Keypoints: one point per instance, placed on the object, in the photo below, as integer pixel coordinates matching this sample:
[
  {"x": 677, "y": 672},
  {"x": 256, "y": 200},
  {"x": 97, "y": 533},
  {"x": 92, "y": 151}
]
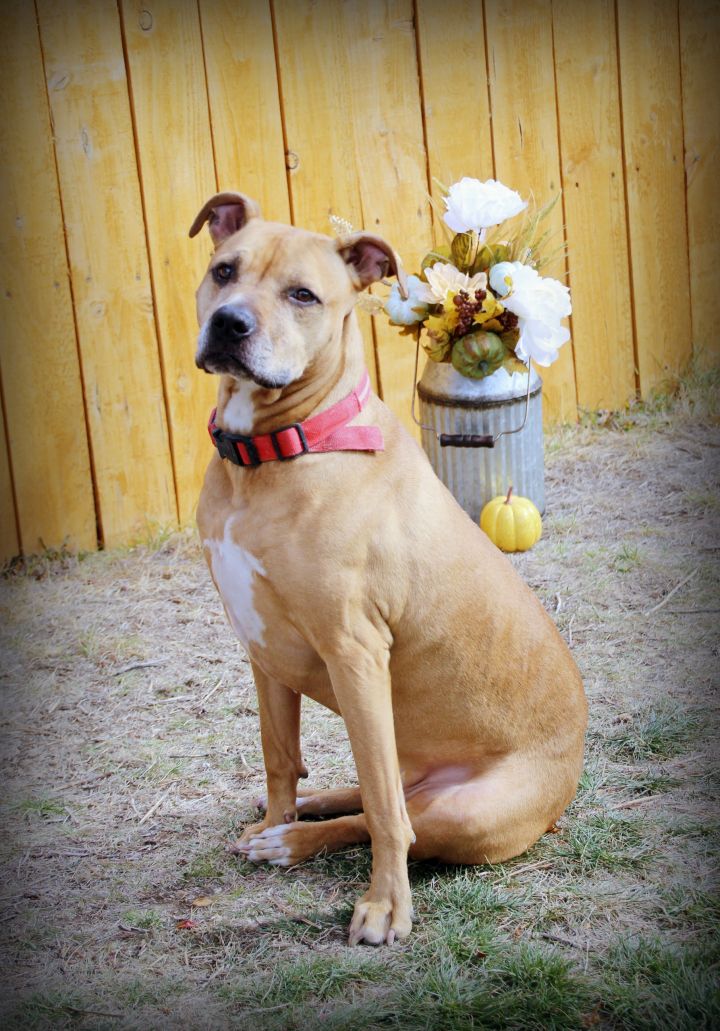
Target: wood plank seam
[
  {"x": 423, "y": 115},
  {"x": 633, "y": 314},
  {"x": 524, "y": 130},
  {"x": 700, "y": 84},
  {"x": 487, "y": 87},
  {"x": 566, "y": 256},
  {"x": 13, "y": 493},
  {"x": 371, "y": 320},
  {"x": 685, "y": 178},
  {"x": 151, "y": 271},
  {"x": 650, "y": 77},
  {"x": 86, "y": 417},
  {"x": 281, "y": 100},
  {"x": 207, "y": 98}
]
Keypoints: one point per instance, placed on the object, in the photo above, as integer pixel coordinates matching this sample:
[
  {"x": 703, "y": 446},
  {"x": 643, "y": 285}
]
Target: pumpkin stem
[{"x": 507, "y": 499}]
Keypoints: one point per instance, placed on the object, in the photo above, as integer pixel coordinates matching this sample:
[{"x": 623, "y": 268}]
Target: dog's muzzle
[{"x": 224, "y": 339}]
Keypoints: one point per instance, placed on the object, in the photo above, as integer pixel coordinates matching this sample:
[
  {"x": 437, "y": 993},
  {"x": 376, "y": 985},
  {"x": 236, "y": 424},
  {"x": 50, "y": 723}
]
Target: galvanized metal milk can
[{"x": 493, "y": 407}]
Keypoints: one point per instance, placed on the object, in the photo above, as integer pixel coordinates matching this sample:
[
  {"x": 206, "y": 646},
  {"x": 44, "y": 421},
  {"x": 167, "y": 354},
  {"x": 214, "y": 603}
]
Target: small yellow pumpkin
[{"x": 512, "y": 523}]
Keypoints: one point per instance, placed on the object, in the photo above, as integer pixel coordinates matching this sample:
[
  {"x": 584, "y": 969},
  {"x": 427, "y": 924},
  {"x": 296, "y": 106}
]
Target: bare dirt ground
[{"x": 131, "y": 757}]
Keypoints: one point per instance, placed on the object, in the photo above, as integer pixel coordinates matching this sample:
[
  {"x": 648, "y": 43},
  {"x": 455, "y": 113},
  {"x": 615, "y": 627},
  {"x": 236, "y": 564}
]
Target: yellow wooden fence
[{"x": 118, "y": 119}]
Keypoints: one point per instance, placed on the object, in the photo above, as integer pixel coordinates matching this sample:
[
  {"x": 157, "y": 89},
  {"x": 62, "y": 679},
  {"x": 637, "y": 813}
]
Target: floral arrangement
[{"x": 480, "y": 298}]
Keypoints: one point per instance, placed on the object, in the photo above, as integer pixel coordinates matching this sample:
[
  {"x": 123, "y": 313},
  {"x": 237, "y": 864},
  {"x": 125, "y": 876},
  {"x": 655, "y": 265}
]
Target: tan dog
[{"x": 353, "y": 577}]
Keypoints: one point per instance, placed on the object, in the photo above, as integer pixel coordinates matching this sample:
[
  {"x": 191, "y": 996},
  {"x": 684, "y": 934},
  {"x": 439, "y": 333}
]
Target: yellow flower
[
  {"x": 491, "y": 308},
  {"x": 437, "y": 351},
  {"x": 437, "y": 343},
  {"x": 437, "y": 328},
  {"x": 492, "y": 326},
  {"x": 450, "y": 312}
]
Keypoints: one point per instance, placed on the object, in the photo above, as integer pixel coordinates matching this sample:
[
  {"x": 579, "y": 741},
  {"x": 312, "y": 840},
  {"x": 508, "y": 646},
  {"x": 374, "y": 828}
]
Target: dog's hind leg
[
  {"x": 332, "y": 802},
  {"x": 335, "y": 802},
  {"x": 457, "y": 816},
  {"x": 468, "y": 819},
  {"x": 491, "y": 816}
]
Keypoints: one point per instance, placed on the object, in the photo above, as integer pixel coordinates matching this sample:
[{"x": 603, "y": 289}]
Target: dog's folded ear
[
  {"x": 369, "y": 258},
  {"x": 225, "y": 213}
]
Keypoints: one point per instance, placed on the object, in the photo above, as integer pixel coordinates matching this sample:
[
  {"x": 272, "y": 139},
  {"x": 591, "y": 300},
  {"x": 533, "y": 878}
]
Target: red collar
[{"x": 324, "y": 432}]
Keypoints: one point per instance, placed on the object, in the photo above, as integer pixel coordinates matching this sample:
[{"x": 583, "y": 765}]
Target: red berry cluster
[{"x": 466, "y": 309}]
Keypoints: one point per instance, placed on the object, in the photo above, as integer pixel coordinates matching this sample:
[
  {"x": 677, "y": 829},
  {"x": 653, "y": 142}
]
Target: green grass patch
[
  {"x": 603, "y": 841},
  {"x": 45, "y": 1011},
  {"x": 693, "y": 908},
  {"x": 661, "y": 732},
  {"x": 311, "y": 977},
  {"x": 145, "y": 919},
  {"x": 470, "y": 893},
  {"x": 647, "y": 985},
  {"x": 627, "y": 558},
  {"x": 207, "y": 866},
  {"x": 519, "y": 986},
  {"x": 47, "y": 808}
]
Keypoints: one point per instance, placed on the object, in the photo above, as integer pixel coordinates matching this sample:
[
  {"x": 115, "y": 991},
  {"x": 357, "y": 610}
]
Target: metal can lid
[{"x": 443, "y": 384}]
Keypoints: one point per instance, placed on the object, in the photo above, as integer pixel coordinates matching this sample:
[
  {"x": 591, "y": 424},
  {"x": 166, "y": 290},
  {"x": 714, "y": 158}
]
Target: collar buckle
[{"x": 225, "y": 443}]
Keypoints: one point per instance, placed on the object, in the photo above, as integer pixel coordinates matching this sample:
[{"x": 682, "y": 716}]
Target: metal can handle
[{"x": 467, "y": 440}]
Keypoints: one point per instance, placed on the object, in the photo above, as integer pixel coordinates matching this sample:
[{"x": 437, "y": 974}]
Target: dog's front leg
[
  {"x": 360, "y": 677},
  {"x": 279, "y": 709}
]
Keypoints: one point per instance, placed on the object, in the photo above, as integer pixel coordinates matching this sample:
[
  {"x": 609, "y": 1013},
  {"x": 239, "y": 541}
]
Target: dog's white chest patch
[
  {"x": 239, "y": 411},
  {"x": 234, "y": 571}
]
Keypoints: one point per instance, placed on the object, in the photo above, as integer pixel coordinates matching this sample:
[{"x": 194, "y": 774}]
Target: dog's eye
[
  {"x": 223, "y": 273},
  {"x": 303, "y": 296}
]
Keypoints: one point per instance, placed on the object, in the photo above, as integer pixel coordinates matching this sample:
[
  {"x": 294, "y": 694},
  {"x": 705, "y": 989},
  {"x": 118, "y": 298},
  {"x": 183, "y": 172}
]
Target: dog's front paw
[
  {"x": 377, "y": 920},
  {"x": 283, "y": 845},
  {"x": 241, "y": 846}
]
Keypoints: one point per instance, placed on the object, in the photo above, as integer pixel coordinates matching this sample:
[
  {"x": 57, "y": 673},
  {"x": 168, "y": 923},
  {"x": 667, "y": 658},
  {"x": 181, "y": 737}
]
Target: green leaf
[{"x": 441, "y": 253}]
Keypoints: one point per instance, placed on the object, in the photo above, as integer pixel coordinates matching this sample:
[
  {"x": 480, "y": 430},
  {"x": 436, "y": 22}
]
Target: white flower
[
  {"x": 443, "y": 276},
  {"x": 414, "y": 308},
  {"x": 539, "y": 302},
  {"x": 540, "y": 341},
  {"x": 472, "y": 205}
]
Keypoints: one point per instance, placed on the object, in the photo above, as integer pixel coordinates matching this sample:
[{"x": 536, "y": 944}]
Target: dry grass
[{"x": 131, "y": 756}]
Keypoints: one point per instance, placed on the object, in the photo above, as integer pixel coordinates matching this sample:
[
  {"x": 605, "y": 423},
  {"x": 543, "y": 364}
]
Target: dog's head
[{"x": 275, "y": 298}]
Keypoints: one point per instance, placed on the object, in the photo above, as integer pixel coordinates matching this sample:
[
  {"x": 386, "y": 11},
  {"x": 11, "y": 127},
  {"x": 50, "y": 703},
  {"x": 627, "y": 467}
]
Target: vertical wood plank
[
  {"x": 525, "y": 142},
  {"x": 390, "y": 156},
  {"x": 317, "y": 112},
  {"x": 318, "y": 125},
  {"x": 459, "y": 140},
  {"x": 88, "y": 95},
  {"x": 593, "y": 190},
  {"x": 652, "y": 131},
  {"x": 38, "y": 356},
  {"x": 356, "y": 126},
  {"x": 245, "y": 103},
  {"x": 169, "y": 101},
  {"x": 9, "y": 540},
  {"x": 700, "y": 47}
]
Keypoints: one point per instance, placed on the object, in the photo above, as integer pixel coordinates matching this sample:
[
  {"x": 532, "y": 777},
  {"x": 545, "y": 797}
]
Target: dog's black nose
[{"x": 233, "y": 322}]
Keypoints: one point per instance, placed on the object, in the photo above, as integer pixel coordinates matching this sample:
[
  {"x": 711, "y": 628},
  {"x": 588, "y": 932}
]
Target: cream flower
[
  {"x": 443, "y": 277},
  {"x": 540, "y": 341},
  {"x": 540, "y": 303},
  {"x": 472, "y": 205}
]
